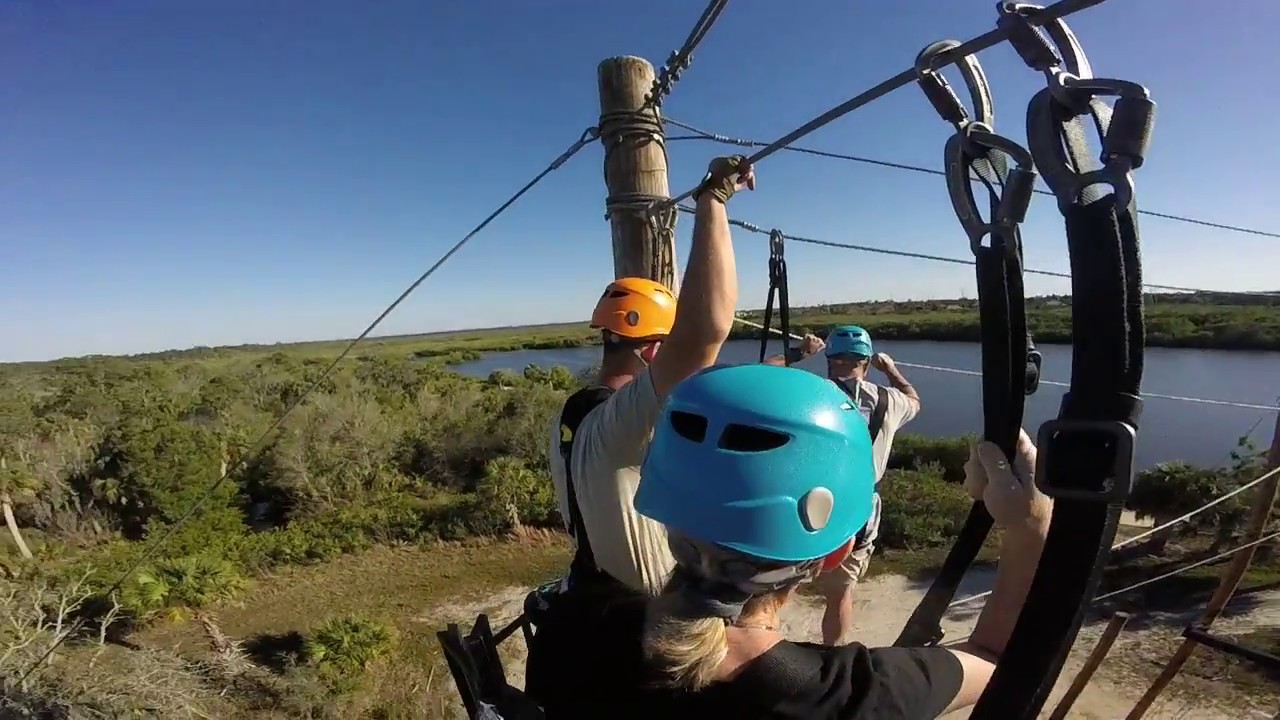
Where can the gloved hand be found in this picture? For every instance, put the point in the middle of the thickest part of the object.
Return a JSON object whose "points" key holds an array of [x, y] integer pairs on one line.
{"points": [[1010, 494], [725, 176]]}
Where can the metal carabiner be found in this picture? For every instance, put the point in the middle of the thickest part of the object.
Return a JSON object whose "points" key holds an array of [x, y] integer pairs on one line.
{"points": [[1064, 55], [977, 142], [940, 93], [1064, 159]]}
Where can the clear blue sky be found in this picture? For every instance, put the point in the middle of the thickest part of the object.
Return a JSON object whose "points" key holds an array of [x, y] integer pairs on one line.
{"points": [[204, 172]]}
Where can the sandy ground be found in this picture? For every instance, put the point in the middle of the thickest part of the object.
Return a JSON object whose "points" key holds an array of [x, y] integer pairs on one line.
{"points": [[885, 602]]}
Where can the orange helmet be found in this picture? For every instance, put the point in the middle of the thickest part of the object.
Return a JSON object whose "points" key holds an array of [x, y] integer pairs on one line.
{"points": [[635, 308]]}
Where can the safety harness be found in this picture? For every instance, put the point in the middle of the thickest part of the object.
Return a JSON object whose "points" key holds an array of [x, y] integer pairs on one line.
{"points": [[778, 289], [1085, 455], [1010, 363], [576, 409]]}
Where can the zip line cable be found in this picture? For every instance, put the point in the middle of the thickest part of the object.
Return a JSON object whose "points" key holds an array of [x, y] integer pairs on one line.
{"points": [[587, 137], [752, 227], [1060, 9], [679, 60], [975, 373], [700, 134]]}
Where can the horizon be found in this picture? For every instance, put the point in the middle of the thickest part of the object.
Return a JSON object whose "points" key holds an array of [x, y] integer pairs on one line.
{"points": [[228, 173]]}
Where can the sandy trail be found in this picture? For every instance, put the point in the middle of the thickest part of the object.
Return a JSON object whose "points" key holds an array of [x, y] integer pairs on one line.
{"points": [[885, 602]]}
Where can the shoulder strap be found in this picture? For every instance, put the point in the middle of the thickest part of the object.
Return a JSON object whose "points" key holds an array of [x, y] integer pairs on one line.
{"points": [[877, 415], [575, 410]]}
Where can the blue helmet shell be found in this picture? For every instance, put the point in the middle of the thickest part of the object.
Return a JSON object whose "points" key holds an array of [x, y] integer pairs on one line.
{"points": [[770, 461], [849, 340]]}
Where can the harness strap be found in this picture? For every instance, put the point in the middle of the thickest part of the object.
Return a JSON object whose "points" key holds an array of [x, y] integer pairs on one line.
{"points": [[576, 409], [1086, 455], [778, 287], [1007, 352]]}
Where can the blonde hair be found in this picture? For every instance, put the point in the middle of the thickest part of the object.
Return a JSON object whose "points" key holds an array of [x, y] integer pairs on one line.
{"points": [[688, 651]]}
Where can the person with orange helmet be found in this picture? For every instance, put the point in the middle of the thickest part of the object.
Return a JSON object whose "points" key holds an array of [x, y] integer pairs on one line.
{"points": [[599, 439]]}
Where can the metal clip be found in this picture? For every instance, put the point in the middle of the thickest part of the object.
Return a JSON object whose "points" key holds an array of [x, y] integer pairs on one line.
{"points": [[978, 142], [1064, 55], [1035, 362], [776, 245], [944, 98], [1068, 168]]}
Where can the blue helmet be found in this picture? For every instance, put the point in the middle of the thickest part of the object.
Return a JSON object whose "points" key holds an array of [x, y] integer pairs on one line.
{"points": [[849, 340], [770, 461]]}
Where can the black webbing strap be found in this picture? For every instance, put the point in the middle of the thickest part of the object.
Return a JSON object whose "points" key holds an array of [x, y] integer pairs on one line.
{"points": [[576, 409], [777, 287], [1086, 455], [997, 248]]}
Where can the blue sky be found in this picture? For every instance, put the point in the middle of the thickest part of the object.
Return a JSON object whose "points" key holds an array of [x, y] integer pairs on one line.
{"points": [[203, 172]]}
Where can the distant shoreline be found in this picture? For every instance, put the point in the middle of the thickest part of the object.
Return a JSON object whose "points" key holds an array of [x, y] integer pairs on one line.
{"points": [[1234, 322]]}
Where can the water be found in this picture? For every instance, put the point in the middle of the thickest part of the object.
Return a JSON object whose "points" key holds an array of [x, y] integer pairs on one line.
{"points": [[952, 404]]}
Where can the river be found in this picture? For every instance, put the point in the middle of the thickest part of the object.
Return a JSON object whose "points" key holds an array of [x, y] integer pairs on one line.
{"points": [[1171, 429]]}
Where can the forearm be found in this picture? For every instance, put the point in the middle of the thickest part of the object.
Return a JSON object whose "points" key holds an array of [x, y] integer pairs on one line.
{"points": [[1019, 556], [709, 295], [899, 382]]}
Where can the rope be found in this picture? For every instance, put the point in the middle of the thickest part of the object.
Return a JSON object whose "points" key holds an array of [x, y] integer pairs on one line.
{"points": [[751, 227], [701, 134], [1185, 568], [975, 373], [587, 137], [1058, 10], [1266, 476]]}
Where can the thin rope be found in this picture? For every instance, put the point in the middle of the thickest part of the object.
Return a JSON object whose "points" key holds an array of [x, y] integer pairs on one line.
{"points": [[752, 227], [1185, 568], [587, 137], [700, 134], [975, 373], [1060, 9], [1129, 541]]}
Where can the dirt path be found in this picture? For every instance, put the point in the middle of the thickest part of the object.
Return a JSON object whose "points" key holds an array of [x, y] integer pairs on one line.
{"points": [[885, 602]]}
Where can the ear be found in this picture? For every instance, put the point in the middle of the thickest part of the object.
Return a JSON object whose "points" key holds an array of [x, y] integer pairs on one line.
{"points": [[837, 556]]}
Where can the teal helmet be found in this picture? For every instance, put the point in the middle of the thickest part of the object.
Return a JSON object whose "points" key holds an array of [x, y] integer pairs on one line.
{"points": [[769, 461], [849, 340]]}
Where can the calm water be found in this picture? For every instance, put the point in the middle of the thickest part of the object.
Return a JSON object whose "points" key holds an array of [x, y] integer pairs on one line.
{"points": [[1198, 433]]}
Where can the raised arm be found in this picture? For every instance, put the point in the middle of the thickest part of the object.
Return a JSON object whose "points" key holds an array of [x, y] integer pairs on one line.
{"points": [[709, 295], [810, 346]]}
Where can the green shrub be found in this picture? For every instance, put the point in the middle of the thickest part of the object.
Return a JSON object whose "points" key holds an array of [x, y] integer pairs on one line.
{"points": [[175, 584], [347, 644], [511, 493], [914, 452], [920, 509]]}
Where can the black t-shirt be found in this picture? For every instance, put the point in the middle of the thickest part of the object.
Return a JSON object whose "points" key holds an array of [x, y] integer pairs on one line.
{"points": [[599, 672]]}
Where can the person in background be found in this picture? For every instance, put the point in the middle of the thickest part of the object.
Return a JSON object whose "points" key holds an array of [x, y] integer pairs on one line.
{"points": [[762, 477], [598, 440], [887, 409]]}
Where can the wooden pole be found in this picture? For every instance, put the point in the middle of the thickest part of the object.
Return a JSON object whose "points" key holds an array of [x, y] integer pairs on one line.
{"points": [[635, 171], [1263, 500], [1091, 665]]}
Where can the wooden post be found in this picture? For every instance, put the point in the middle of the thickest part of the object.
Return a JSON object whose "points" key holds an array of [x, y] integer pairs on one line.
{"points": [[1263, 500], [635, 171], [1091, 665]]}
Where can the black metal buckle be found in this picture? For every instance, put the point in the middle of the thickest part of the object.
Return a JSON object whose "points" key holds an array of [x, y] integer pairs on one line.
{"points": [[976, 142], [941, 95], [1035, 363], [776, 244], [1085, 459], [1125, 132]]}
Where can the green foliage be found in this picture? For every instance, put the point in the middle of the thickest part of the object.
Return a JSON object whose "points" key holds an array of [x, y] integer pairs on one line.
{"points": [[346, 645], [511, 494], [1171, 489], [915, 452], [920, 509], [193, 581]]}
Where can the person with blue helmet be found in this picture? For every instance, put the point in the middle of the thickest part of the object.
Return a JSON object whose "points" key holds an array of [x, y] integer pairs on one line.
{"points": [[850, 354], [763, 476]]}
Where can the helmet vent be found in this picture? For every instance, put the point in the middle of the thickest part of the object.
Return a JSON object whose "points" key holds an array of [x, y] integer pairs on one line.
{"points": [[689, 426], [747, 438], [618, 294]]}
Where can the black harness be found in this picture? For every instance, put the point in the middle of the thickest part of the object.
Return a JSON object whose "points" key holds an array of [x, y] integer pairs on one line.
{"points": [[1010, 363], [777, 288], [576, 409], [1086, 455]]}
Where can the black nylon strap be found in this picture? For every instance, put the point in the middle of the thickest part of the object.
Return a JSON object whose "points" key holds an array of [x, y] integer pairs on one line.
{"points": [[576, 408], [778, 288], [1006, 358], [1086, 455]]}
